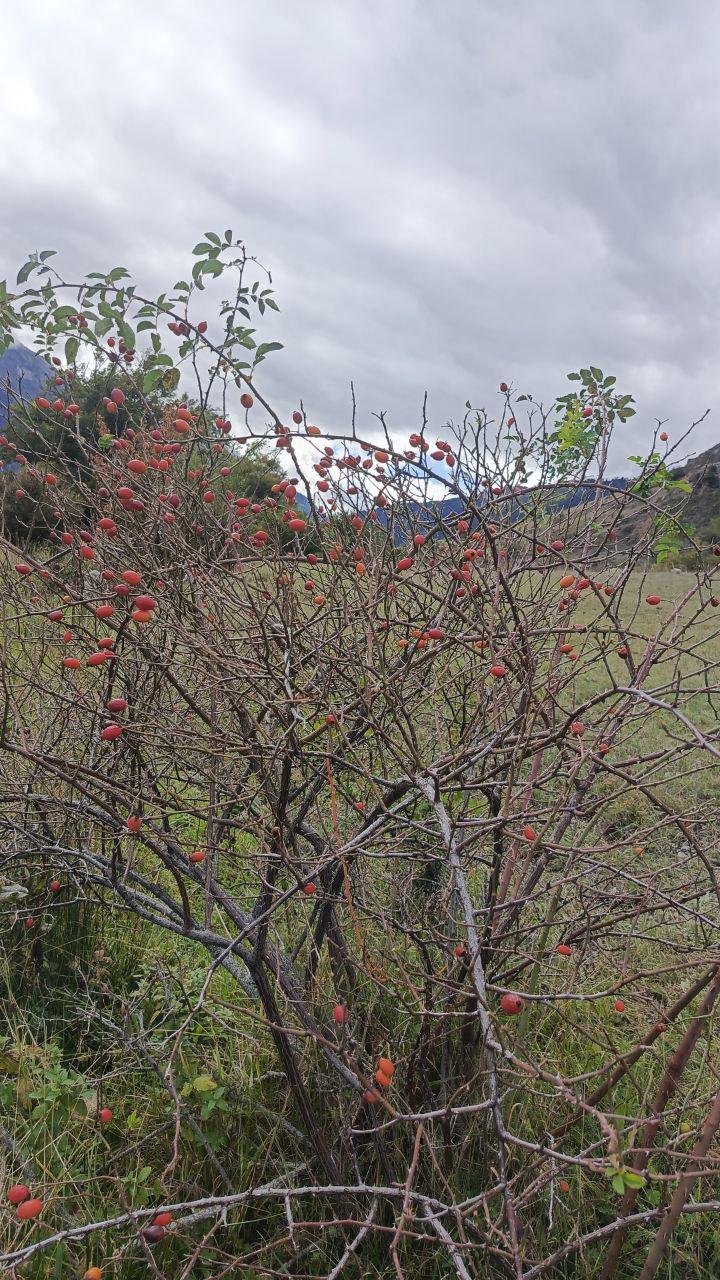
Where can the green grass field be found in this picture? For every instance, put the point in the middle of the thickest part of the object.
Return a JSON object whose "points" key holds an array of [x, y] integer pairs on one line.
{"points": [[72, 1040]]}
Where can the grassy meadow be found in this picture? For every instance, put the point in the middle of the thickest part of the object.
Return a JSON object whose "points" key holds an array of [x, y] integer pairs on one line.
{"points": [[93, 1013]]}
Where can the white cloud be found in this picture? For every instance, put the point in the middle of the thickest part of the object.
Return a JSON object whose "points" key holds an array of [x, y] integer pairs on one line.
{"points": [[447, 195]]}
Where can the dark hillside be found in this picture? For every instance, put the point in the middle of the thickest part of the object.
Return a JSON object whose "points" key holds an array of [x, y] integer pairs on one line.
{"points": [[21, 371]]}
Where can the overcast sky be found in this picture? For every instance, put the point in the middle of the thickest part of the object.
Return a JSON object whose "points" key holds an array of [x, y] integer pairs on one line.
{"points": [[448, 194]]}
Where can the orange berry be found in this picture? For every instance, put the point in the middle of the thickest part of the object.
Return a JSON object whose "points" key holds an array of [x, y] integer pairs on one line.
{"points": [[29, 1209]]}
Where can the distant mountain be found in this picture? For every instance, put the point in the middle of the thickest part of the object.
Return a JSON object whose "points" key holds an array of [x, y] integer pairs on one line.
{"points": [[24, 372], [699, 510], [28, 374]]}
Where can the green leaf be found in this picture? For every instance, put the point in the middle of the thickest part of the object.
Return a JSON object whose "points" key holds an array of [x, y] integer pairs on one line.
{"points": [[596, 373], [151, 378], [117, 273], [201, 249], [213, 237], [633, 1179], [212, 267], [574, 377], [71, 349], [265, 348], [126, 333], [204, 1084], [47, 253], [618, 1184], [25, 272]]}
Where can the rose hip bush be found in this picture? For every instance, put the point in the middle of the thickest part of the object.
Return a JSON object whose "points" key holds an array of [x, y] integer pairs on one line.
{"points": [[397, 759]]}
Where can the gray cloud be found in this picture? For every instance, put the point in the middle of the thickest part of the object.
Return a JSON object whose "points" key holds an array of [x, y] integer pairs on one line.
{"points": [[448, 195]]}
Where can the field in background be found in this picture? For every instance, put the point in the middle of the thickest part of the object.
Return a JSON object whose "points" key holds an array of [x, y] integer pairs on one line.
{"points": [[50, 1055]]}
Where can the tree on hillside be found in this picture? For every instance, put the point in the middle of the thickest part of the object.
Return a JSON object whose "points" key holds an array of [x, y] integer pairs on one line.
{"points": [[60, 431]]}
